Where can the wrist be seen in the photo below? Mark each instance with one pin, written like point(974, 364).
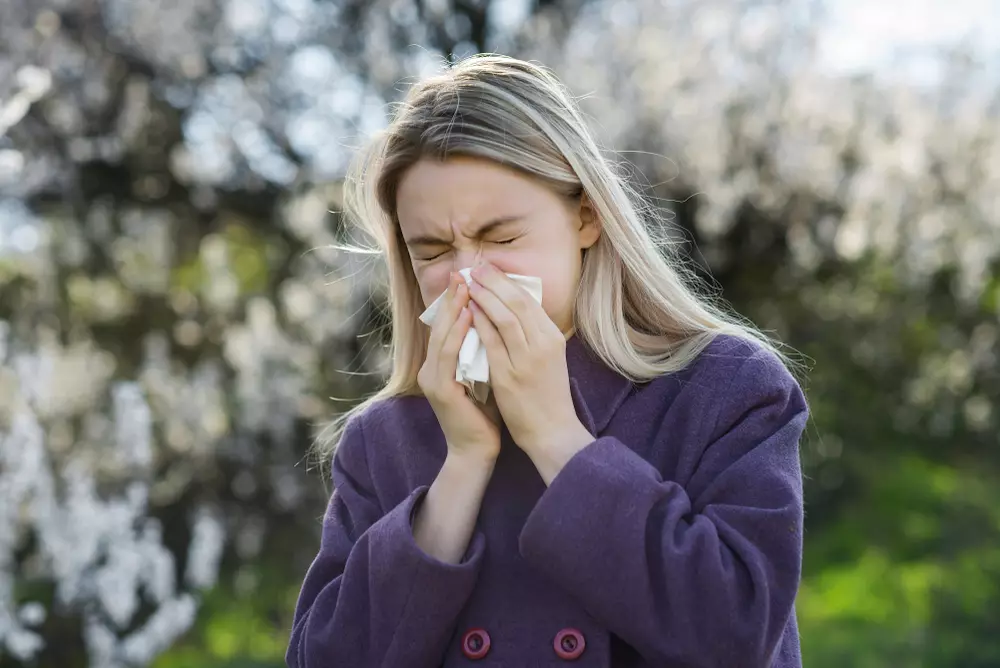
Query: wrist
point(559, 448)
point(570, 438)
point(470, 464)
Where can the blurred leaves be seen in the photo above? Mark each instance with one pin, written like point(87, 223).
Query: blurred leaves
point(168, 197)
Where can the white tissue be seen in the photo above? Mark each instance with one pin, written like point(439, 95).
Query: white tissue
point(473, 369)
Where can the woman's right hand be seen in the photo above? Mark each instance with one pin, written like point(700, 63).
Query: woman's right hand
point(468, 430)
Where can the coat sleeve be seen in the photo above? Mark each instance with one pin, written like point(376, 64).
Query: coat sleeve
point(705, 581)
point(372, 597)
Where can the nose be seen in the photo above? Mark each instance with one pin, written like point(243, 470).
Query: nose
point(466, 257)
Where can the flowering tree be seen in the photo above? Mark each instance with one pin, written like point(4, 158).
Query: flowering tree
point(173, 321)
point(103, 552)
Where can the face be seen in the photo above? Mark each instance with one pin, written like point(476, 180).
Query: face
point(454, 212)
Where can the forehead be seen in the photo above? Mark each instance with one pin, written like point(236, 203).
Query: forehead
point(434, 195)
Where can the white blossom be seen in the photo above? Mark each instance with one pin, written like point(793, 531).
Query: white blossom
point(100, 550)
point(205, 550)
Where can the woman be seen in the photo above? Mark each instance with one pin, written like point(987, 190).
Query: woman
point(629, 494)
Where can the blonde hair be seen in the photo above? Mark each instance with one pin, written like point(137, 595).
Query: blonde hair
point(638, 307)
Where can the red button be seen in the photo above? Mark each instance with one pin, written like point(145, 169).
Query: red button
point(476, 643)
point(569, 644)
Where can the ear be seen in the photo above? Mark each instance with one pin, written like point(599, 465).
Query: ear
point(590, 228)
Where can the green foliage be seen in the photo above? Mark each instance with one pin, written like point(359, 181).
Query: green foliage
point(241, 629)
point(202, 284)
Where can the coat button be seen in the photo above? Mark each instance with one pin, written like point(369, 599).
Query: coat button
point(569, 644)
point(476, 643)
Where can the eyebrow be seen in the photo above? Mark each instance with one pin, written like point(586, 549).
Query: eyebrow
point(483, 230)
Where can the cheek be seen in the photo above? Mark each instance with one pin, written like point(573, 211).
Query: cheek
point(557, 297)
point(433, 280)
point(559, 274)
point(524, 260)
point(560, 280)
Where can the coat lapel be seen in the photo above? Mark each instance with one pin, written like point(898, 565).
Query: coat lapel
point(598, 390)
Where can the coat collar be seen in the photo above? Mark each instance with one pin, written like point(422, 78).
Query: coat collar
point(598, 390)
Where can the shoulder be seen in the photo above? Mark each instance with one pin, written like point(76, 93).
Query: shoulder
point(395, 413)
point(734, 397)
point(390, 420)
point(728, 359)
point(727, 376)
point(398, 441)
point(752, 385)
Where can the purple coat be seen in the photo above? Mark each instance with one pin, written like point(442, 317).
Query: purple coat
point(674, 539)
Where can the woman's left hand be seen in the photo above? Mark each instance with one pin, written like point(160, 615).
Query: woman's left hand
point(528, 374)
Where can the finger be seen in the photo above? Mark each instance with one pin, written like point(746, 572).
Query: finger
point(448, 356)
point(528, 312)
point(502, 318)
point(447, 313)
point(496, 351)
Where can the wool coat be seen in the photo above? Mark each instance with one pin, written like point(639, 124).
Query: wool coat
point(673, 539)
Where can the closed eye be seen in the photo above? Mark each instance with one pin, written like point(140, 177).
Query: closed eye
point(500, 242)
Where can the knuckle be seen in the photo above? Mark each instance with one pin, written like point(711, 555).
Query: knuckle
point(499, 378)
point(426, 378)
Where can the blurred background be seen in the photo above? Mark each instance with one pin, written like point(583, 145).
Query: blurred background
point(174, 326)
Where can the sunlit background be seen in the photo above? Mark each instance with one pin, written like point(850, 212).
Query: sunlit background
point(174, 326)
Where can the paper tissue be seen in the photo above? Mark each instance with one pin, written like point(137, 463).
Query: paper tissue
point(473, 369)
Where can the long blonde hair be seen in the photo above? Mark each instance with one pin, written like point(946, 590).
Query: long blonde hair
point(638, 307)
